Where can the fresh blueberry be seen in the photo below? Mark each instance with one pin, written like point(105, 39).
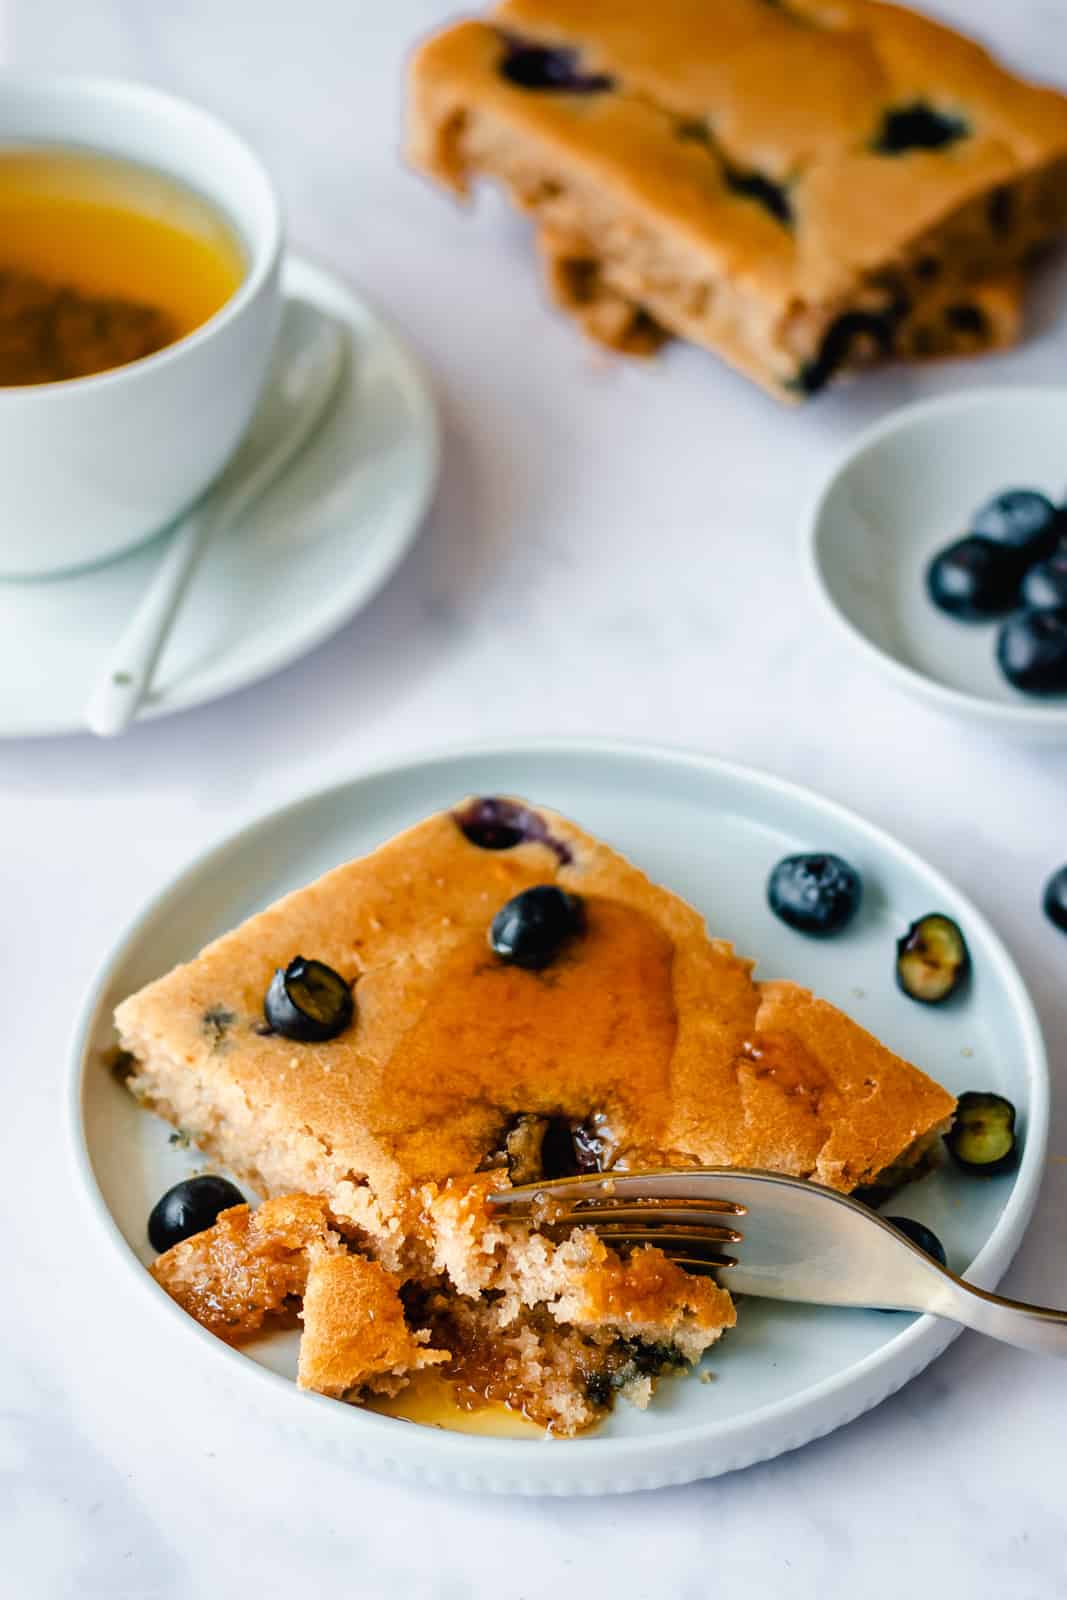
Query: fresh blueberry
point(1022, 519)
point(189, 1208)
point(974, 579)
point(919, 1234)
point(817, 893)
point(932, 959)
point(553, 68)
point(1032, 652)
point(533, 927)
point(1055, 901)
point(1044, 587)
point(308, 1001)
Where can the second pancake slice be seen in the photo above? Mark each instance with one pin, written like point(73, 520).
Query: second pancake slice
point(641, 1042)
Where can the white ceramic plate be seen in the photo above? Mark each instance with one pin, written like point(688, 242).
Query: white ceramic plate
point(318, 547)
point(788, 1373)
point(907, 487)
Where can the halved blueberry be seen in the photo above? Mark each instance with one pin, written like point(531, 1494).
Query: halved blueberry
point(1032, 652)
point(1022, 519)
point(817, 893)
point(550, 67)
point(982, 1138)
point(1055, 899)
point(308, 1001)
point(534, 926)
point(190, 1207)
point(1044, 588)
point(974, 579)
point(921, 1235)
point(932, 959)
point(918, 126)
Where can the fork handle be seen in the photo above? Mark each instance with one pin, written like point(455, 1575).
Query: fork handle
point(1011, 1321)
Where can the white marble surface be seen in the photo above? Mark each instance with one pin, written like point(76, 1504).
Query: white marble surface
point(612, 551)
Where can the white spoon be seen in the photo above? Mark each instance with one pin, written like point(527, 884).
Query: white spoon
point(303, 378)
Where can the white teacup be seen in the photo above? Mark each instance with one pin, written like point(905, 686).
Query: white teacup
point(92, 466)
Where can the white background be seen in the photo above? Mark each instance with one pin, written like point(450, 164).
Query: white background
point(613, 550)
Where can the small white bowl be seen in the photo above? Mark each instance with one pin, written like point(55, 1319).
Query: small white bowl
point(907, 487)
point(92, 466)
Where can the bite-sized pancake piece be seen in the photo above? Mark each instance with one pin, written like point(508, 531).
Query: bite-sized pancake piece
point(356, 1339)
point(250, 1266)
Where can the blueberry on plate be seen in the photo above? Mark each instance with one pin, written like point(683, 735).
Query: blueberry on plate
point(932, 959)
point(921, 1235)
point(308, 1001)
point(534, 926)
point(190, 1207)
point(816, 893)
point(1032, 652)
point(974, 578)
point(982, 1139)
point(1055, 900)
point(1023, 520)
point(1044, 587)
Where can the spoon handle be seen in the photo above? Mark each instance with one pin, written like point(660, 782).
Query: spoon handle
point(124, 682)
point(308, 363)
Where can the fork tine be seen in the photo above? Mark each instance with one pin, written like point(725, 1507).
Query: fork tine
point(630, 1220)
point(693, 1239)
point(647, 1188)
point(702, 1266)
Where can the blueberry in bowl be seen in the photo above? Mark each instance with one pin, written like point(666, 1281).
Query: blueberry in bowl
point(1032, 652)
point(190, 1207)
point(1022, 520)
point(1044, 586)
point(816, 893)
point(975, 578)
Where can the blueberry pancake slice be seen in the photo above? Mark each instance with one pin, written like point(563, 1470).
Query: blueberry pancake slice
point(525, 1003)
point(803, 189)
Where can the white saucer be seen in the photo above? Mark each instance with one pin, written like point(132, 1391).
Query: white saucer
point(787, 1374)
point(320, 545)
point(906, 488)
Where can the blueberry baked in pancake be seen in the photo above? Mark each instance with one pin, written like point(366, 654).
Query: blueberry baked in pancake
point(801, 186)
point(491, 997)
